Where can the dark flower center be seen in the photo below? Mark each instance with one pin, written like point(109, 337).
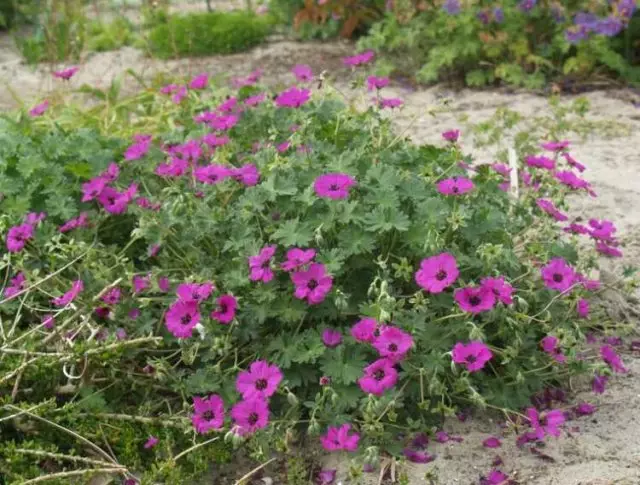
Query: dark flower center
point(253, 418)
point(471, 359)
point(195, 295)
point(208, 415)
point(441, 275)
point(455, 189)
point(334, 187)
point(19, 237)
point(111, 200)
point(393, 347)
point(376, 332)
point(186, 319)
point(378, 375)
point(261, 384)
point(223, 308)
point(312, 285)
point(475, 300)
point(265, 264)
point(557, 277)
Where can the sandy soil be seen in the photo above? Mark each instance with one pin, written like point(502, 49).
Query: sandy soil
point(606, 449)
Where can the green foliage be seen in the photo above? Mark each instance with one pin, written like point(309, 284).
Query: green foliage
point(109, 36)
point(207, 33)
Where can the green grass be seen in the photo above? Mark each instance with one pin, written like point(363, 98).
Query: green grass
point(208, 33)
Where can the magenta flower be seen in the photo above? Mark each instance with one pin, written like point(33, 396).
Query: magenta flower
point(260, 265)
point(224, 122)
point(255, 100)
point(193, 292)
point(451, 135)
point(93, 188)
point(293, 97)
point(69, 296)
point(116, 202)
point(211, 174)
point(225, 312)
point(179, 95)
point(181, 318)
point(48, 321)
point(551, 209)
point(66, 74)
point(18, 236)
point(169, 89)
point(365, 330)
point(573, 162)
point(140, 283)
point(312, 284)
point(393, 343)
point(331, 338)
point(250, 415)
point(139, 149)
point(176, 168)
point(283, 147)
point(455, 186)
point(378, 377)
point(389, 102)
point(151, 442)
point(359, 59)
point(492, 442)
point(163, 284)
point(247, 174)
point(555, 146)
point(575, 228)
point(551, 345)
point(302, 72)
point(417, 456)
point(607, 250)
point(339, 438)
point(495, 477)
point(599, 383)
point(333, 185)
point(584, 409)
point(610, 356)
point(228, 106)
point(112, 296)
point(214, 141)
point(540, 162)
point(501, 168)
point(558, 275)
point(583, 308)
point(134, 313)
point(17, 284)
point(208, 413)
point(145, 203)
point(437, 273)
point(475, 299)
point(39, 109)
point(571, 180)
point(35, 218)
point(298, 258)
point(326, 477)
point(502, 290)
point(199, 82)
point(260, 381)
point(603, 230)
point(473, 355)
point(374, 82)
point(444, 437)
point(545, 423)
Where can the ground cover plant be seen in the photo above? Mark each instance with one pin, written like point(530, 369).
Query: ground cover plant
point(246, 269)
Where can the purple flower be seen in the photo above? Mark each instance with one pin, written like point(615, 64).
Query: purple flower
point(298, 258)
point(302, 72)
point(364, 330)
point(293, 97)
point(208, 413)
point(451, 135)
point(437, 273)
point(575, 228)
point(599, 383)
point(378, 377)
point(551, 346)
point(584, 409)
point(194, 292)
point(502, 290)
point(602, 230)
point(18, 236)
point(527, 5)
point(608, 250)
point(558, 275)
point(112, 296)
point(583, 308)
point(48, 321)
point(555, 146)
point(76, 288)
point(326, 477)
point(333, 185)
point(134, 313)
point(66, 74)
point(498, 15)
point(225, 312)
point(181, 318)
point(609, 26)
point(140, 283)
point(312, 284)
point(452, 7)
point(211, 174)
point(475, 299)
point(374, 82)
point(199, 82)
point(39, 109)
point(250, 415)
point(573, 162)
point(340, 438)
point(545, 423)
point(261, 380)
point(359, 59)
point(255, 100)
point(331, 338)
point(610, 356)
point(17, 284)
point(260, 265)
point(417, 456)
point(179, 95)
point(540, 162)
point(473, 355)
point(71, 224)
point(151, 442)
point(571, 180)
point(393, 343)
point(389, 103)
point(492, 442)
point(247, 174)
point(551, 209)
point(455, 186)
point(227, 106)
point(495, 477)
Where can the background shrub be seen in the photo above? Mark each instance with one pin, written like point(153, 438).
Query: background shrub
point(208, 33)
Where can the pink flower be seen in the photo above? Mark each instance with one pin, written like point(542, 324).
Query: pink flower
point(69, 296)
point(255, 100)
point(163, 284)
point(112, 296)
point(227, 106)
point(293, 97)
point(312, 284)
point(116, 202)
point(604, 248)
point(66, 74)
point(555, 146)
point(151, 442)
point(250, 80)
point(211, 174)
point(298, 258)
point(140, 283)
point(551, 346)
point(18, 236)
point(179, 95)
point(599, 383)
point(169, 89)
point(250, 415)
point(302, 72)
point(455, 186)
point(502, 290)
point(584, 409)
point(495, 477)
point(501, 168)
point(48, 321)
point(451, 135)
point(551, 209)
point(326, 477)
point(359, 59)
point(139, 149)
point(540, 162)
point(247, 174)
point(260, 265)
point(573, 162)
point(492, 442)
point(260, 381)
point(93, 188)
point(364, 330)
point(378, 377)
point(613, 359)
point(603, 230)
point(417, 456)
point(224, 122)
point(333, 185)
point(575, 228)
point(213, 141)
point(374, 82)
point(475, 299)
point(338, 438)
point(571, 180)
point(225, 312)
point(71, 224)
point(193, 292)
point(331, 338)
point(389, 103)
point(134, 313)
point(175, 168)
point(18, 283)
point(473, 355)
point(283, 147)
point(583, 308)
point(545, 423)
point(39, 109)
point(437, 273)
point(208, 413)
point(181, 318)
point(199, 82)
point(393, 343)
point(558, 275)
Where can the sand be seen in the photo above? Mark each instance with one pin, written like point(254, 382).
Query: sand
point(606, 449)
